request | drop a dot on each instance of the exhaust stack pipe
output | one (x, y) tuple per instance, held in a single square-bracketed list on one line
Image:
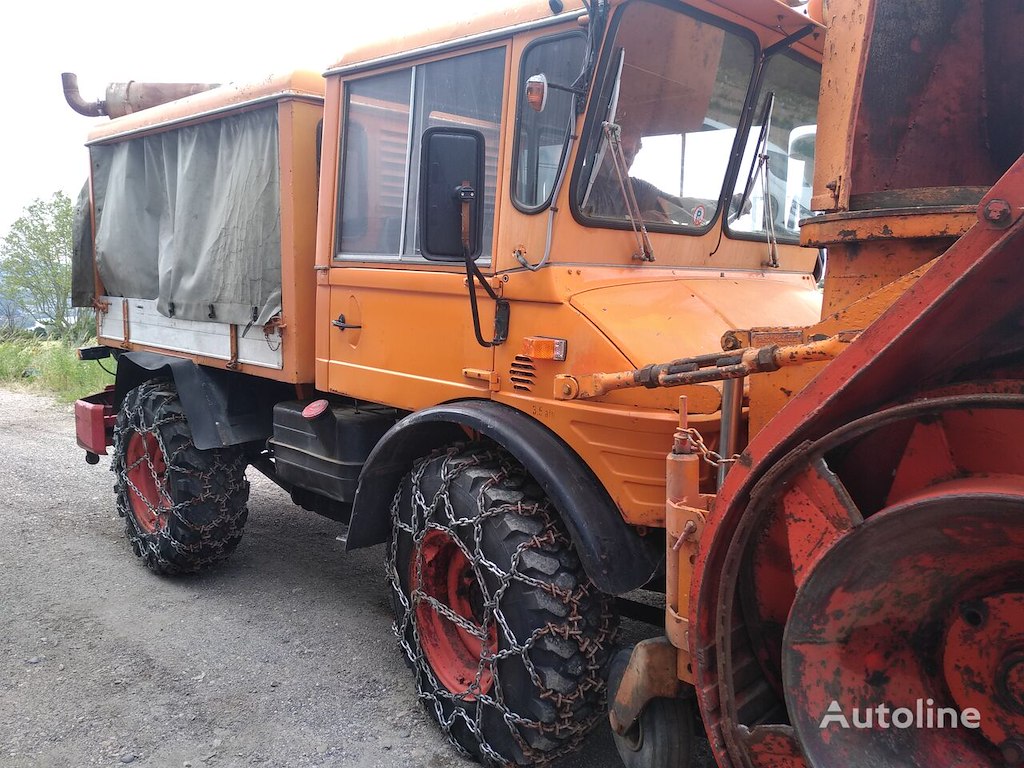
[(75, 100), (125, 98)]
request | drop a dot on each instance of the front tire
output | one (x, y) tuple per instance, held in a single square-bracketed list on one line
[(662, 737), (184, 508), (507, 635)]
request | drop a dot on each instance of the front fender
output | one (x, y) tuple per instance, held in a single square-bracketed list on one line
[(615, 556)]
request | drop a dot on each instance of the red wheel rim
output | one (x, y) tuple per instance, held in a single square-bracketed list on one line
[(456, 655), (147, 481)]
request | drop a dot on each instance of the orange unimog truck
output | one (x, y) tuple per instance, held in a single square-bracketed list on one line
[(398, 313)]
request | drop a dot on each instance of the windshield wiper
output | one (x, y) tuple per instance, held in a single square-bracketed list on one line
[(610, 144), (760, 163), (759, 157), (613, 137), (603, 144)]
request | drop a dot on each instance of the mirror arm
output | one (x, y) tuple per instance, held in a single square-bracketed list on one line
[(567, 89), (466, 194), (789, 41), (473, 275)]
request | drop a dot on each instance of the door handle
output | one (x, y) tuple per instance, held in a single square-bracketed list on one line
[(340, 323)]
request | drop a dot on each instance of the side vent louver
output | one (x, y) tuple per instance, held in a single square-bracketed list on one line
[(522, 374)]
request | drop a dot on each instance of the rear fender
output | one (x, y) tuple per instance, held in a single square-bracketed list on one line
[(223, 408), (615, 556)]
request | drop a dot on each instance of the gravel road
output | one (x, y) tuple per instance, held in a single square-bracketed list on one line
[(282, 656)]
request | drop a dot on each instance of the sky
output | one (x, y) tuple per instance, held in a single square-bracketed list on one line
[(210, 41)]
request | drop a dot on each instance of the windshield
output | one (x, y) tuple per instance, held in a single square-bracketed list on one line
[(780, 187), (676, 88), (678, 103)]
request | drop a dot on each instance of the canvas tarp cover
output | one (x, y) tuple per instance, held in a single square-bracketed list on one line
[(83, 279), (191, 217)]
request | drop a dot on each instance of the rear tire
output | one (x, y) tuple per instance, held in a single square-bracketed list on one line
[(184, 508), (508, 637)]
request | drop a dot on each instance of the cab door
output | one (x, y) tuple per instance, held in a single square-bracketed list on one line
[(402, 332)]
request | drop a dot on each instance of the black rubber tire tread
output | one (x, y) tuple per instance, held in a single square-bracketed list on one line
[(207, 489), (571, 659), (663, 735)]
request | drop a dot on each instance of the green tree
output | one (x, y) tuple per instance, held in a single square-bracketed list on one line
[(10, 313), (35, 262)]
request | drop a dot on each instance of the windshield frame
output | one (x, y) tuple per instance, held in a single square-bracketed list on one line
[(598, 105)]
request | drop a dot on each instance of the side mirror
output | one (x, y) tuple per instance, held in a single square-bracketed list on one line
[(451, 185)]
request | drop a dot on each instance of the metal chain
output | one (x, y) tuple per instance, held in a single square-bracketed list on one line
[(270, 343), (467, 707), (176, 462), (711, 457)]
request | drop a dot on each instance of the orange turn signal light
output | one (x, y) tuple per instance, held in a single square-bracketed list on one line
[(537, 92), (545, 348)]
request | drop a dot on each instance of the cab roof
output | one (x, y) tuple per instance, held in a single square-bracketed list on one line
[(465, 30), (772, 16)]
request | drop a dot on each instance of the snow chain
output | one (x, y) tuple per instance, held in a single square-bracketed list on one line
[(135, 423), (470, 704)]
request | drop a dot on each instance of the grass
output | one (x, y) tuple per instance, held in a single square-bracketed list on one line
[(48, 366)]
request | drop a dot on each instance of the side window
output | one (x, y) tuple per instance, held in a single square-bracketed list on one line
[(374, 164), (385, 118), (463, 92), (541, 136), (356, 221)]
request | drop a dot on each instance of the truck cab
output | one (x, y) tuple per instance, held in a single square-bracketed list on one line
[(721, 121)]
